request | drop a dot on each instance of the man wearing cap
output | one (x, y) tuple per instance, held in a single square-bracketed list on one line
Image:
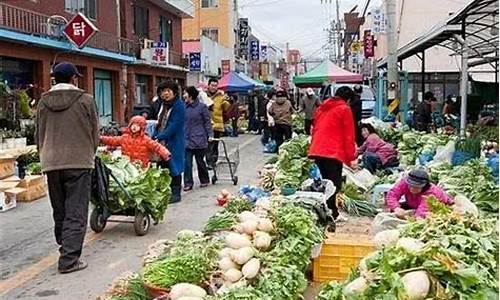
[(415, 188), (67, 136), (308, 106)]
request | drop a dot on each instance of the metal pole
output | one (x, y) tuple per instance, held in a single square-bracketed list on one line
[(392, 48), (496, 68), (339, 36), (423, 73), (463, 83)]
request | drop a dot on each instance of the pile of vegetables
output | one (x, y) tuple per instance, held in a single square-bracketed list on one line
[(148, 190), (355, 203), (298, 123), (446, 256), (293, 165), (266, 177), (473, 179), (227, 218), (414, 143)]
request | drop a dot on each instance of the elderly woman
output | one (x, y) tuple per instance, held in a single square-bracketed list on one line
[(376, 153), (171, 133), (198, 132), (415, 188)]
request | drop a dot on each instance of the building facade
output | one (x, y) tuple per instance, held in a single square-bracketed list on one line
[(116, 69)]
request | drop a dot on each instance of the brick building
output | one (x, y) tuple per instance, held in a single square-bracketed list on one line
[(117, 62)]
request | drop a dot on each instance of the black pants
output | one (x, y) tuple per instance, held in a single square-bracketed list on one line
[(176, 186), (199, 155), (69, 192), (307, 126), (213, 150), (283, 133), (234, 125), (266, 133), (331, 169)]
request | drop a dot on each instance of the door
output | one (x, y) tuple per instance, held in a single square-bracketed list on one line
[(103, 95)]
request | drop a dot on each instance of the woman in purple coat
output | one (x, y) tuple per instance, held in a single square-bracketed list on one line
[(198, 132)]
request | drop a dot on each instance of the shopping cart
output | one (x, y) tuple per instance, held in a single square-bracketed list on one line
[(101, 213), (227, 162)]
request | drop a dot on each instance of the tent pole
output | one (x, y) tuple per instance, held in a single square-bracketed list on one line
[(423, 72), (463, 82)]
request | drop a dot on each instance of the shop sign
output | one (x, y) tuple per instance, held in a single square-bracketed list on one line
[(243, 36), (80, 30), (263, 52), (195, 62), (379, 21), (254, 50), (368, 42), (156, 53), (226, 66)]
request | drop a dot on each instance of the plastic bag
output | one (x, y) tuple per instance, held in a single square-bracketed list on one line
[(464, 206), (270, 147), (459, 158), (362, 178), (493, 164), (314, 172), (424, 159), (445, 153), (386, 221)]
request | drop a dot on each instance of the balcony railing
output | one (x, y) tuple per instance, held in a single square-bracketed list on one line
[(30, 22)]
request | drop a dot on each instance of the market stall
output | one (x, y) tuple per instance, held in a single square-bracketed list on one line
[(326, 72)]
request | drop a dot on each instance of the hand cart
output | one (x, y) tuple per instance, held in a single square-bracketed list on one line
[(100, 196), (226, 164)]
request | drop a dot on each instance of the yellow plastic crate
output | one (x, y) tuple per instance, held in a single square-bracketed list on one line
[(339, 255)]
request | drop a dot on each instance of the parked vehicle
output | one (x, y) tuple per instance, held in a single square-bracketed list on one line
[(367, 96)]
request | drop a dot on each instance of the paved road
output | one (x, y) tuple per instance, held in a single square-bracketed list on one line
[(28, 252)]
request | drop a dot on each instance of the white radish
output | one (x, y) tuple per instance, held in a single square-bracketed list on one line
[(238, 228), (249, 226), (355, 287), (251, 268), (416, 284), (410, 244), (262, 240), (186, 290), (237, 241), (243, 255), (226, 252), (227, 263), (386, 238), (265, 225), (247, 216), (233, 275)]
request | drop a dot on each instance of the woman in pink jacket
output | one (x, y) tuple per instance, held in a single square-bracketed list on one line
[(415, 188), (377, 154)]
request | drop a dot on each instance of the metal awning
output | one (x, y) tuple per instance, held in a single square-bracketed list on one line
[(477, 22)]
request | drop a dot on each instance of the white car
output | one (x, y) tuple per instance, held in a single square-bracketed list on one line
[(367, 96)]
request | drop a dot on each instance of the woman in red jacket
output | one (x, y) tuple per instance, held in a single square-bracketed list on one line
[(333, 140), (136, 144)]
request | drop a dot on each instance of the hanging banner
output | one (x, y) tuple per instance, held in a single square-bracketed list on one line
[(195, 62), (368, 43), (243, 37), (263, 52), (379, 21), (254, 50), (264, 71), (226, 66)]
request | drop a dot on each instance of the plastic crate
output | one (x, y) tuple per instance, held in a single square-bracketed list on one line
[(339, 255)]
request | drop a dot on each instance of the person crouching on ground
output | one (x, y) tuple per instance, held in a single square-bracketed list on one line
[(198, 133), (376, 153), (136, 144), (415, 188)]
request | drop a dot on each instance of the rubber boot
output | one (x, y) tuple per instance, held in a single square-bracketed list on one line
[(176, 194)]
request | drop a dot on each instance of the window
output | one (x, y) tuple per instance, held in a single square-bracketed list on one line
[(86, 7), (166, 30), (209, 3), (211, 33), (141, 89), (141, 21)]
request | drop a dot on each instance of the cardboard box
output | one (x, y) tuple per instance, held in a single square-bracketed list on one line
[(33, 192), (6, 202), (7, 167), (6, 185), (31, 180)]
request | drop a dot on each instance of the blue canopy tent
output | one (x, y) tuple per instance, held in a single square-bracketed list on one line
[(257, 84), (234, 83)]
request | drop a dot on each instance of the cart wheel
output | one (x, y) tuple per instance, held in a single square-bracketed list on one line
[(141, 223), (235, 180), (214, 179), (97, 221)]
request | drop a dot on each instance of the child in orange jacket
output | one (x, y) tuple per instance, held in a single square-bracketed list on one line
[(136, 144)]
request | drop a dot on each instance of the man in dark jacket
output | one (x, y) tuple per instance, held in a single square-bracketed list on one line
[(262, 118), (356, 105), (67, 138), (423, 113)]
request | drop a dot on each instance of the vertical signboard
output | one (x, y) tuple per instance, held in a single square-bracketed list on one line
[(195, 62), (263, 52), (243, 37), (254, 50), (226, 66), (368, 44)]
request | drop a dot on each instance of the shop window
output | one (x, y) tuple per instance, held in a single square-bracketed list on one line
[(141, 89), (166, 30), (211, 33), (103, 95), (209, 3), (141, 21), (86, 7)]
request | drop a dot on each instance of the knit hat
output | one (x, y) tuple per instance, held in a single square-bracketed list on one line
[(418, 178)]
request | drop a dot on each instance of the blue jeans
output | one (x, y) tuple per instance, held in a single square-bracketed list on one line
[(372, 162), (199, 155)]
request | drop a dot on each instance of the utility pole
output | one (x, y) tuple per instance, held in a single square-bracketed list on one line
[(339, 35), (392, 48)]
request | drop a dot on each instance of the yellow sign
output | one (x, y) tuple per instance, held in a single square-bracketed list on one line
[(356, 46), (392, 107)]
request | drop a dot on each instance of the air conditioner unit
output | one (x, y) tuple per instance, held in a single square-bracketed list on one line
[(53, 30)]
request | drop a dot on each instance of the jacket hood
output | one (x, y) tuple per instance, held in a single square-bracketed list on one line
[(281, 100), (60, 100), (139, 120)]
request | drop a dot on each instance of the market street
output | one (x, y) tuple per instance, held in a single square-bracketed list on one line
[(29, 254)]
